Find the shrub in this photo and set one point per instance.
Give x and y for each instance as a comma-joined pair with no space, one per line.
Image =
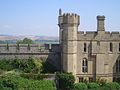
13,82
101,82
33,76
80,86
112,85
6,65
93,85
65,80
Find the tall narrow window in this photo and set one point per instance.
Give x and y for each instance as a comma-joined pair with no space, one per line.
111,47
118,66
119,47
84,65
85,47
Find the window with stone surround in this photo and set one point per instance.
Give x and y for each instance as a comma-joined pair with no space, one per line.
84,65
111,47
85,47
118,66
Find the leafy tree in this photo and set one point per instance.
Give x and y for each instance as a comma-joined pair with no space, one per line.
25,41
65,80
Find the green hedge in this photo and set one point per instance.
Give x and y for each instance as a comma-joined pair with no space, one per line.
13,82
80,86
112,85
93,85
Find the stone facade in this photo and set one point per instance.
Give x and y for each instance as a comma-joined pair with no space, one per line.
88,55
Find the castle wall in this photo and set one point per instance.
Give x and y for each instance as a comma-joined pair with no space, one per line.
49,52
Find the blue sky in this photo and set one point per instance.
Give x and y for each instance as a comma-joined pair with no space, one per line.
39,17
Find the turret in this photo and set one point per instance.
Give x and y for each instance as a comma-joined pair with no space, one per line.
68,24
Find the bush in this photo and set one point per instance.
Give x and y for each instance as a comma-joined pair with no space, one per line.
6,65
112,85
13,82
101,82
80,86
33,76
65,80
93,85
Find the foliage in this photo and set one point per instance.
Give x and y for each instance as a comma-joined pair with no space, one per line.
33,76
48,68
65,80
93,85
13,82
101,82
28,65
25,41
6,65
80,86
112,85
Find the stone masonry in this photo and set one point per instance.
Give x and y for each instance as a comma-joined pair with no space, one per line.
88,55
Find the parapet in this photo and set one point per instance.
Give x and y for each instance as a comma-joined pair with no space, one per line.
100,17
69,18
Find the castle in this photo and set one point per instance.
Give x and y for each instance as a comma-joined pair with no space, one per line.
88,55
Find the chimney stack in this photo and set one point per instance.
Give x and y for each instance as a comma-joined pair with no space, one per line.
100,23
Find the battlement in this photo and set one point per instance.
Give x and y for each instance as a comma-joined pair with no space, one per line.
100,17
69,18
25,48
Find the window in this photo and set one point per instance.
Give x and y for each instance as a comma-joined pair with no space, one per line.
85,47
111,47
118,66
119,47
84,65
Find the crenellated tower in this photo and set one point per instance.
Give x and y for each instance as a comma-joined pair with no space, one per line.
68,24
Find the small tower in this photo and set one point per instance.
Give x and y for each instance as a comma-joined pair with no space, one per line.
100,23
68,24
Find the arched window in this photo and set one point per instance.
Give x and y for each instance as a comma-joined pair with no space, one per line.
84,65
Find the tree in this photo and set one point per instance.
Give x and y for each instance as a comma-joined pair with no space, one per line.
25,41
65,80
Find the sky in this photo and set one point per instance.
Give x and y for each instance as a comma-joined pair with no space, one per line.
40,17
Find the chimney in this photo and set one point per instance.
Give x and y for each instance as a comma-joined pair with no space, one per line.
100,23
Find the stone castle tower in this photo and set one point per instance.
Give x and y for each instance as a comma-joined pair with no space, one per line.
68,24
88,55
